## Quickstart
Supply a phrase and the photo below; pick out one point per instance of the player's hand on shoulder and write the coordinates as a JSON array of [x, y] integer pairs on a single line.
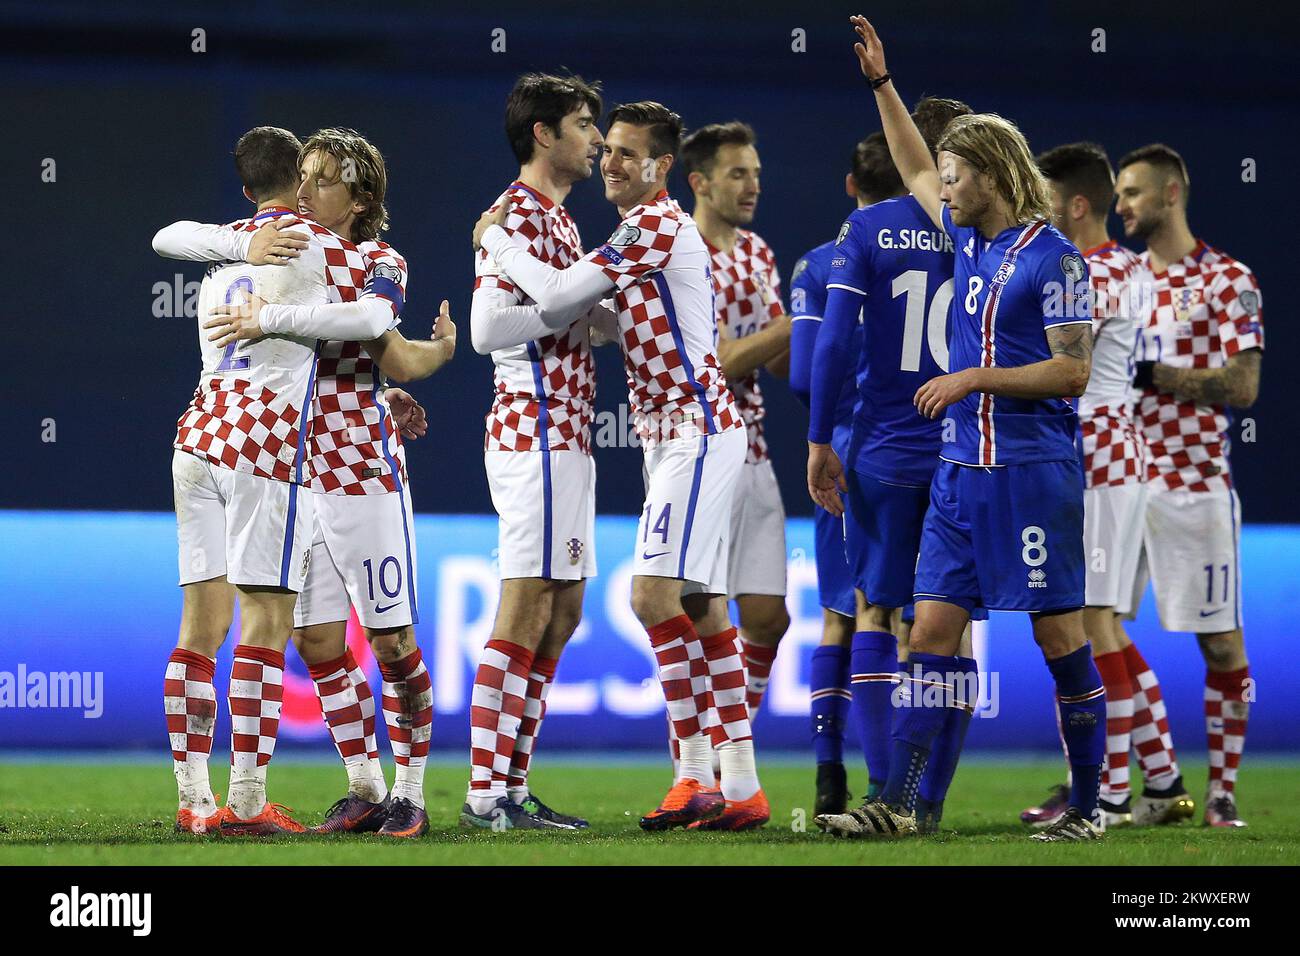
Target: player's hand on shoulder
[[943, 390], [496, 216], [870, 51], [826, 478], [273, 245], [408, 414], [235, 322]]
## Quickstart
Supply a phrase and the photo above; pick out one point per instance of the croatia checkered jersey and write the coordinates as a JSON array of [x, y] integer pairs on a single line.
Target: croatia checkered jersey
[[1110, 444], [1206, 308], [1009, 292], [551, 380], [249, 412], [664, 298], [356, 448], [746, 297]]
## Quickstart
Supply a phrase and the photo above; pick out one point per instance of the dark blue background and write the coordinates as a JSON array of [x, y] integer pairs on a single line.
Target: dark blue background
[[142, 130]]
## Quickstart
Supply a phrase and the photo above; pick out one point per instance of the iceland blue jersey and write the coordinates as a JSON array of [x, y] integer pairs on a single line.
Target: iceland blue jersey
[[1009, 291], [893, 263], [807, 306]]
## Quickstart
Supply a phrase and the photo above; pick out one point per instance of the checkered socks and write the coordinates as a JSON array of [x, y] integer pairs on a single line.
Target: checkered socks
[[1150, 736], [190, 703], [1227, 709], [348, 707], [540, 678], [1119, 725], [830, 701], [496, 712], [758, 670], [256, 691], [1081, 701], [408, 712]]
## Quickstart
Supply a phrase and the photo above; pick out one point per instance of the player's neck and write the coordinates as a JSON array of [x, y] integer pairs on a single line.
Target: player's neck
[[717, 232], [540, 178], [998, 219], [1171, 241], [287, 202], [1089, 235]]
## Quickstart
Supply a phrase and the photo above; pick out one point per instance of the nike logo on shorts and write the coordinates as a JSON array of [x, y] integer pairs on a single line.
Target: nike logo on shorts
[[381, 608], [657, 554]]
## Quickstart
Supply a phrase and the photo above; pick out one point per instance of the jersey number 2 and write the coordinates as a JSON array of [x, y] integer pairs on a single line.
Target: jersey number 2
[[228, 361]]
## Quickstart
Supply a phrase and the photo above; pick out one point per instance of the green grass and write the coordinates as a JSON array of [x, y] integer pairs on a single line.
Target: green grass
[[75, 813]]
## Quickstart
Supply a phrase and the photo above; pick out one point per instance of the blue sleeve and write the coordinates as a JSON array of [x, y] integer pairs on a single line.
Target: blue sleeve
[[846, 288], [946, 218], [1063, 286], [807, 300]]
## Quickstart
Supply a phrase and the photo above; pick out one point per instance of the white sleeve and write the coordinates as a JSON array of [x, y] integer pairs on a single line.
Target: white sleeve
[[557, 292], [367, 318], [496, 321], [199, 242], [603, 322]]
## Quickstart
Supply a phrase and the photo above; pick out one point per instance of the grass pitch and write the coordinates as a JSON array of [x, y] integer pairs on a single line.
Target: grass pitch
[[87, 813]]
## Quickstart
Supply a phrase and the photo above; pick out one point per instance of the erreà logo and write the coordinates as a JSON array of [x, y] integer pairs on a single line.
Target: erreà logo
[[76, 909], [1037, 578]]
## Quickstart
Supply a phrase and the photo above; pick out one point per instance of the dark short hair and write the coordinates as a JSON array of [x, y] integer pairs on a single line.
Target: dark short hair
[[1081, 169], [932, 114], [665, 126], [700, 148], [266, 159], [874, 175], [1162, 157], [545, 98]]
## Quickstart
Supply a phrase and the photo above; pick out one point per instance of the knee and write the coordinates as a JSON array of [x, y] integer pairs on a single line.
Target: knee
[[650, 607], [873, 617], [205, 638], [768, 626], [1223, 652], [389, 646]]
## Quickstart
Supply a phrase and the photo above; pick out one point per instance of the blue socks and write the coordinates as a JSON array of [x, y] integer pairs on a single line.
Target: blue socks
[[874, 669], [1081, 702], [830, 702], [916, 727], [946, 750]]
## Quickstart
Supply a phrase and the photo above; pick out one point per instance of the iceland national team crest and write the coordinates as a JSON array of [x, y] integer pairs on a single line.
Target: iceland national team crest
[[575, 550], [1003, 275]]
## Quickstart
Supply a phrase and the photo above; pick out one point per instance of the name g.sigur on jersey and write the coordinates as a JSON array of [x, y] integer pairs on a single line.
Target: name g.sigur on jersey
[[921, 239]]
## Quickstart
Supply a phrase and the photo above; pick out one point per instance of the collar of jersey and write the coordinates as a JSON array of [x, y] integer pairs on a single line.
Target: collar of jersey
[[543, 199], [1108, 244], [274, 211]]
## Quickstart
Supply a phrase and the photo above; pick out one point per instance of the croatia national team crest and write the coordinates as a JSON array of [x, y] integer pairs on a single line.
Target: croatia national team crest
[[1185, 302], [575, 550]]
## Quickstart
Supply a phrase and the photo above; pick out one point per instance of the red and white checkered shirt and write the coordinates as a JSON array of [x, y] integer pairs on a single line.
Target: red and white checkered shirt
[[660, 268], [747, 296], [1206, 309], [356, 448], [247, 413], [554, 376], [1113, 450]]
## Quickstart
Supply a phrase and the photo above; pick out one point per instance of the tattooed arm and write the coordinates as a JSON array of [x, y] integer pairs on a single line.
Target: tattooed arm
[[1063, 375], [1236, 384]]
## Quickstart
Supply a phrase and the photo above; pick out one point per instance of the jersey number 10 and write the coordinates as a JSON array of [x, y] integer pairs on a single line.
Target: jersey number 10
[[934, 320]]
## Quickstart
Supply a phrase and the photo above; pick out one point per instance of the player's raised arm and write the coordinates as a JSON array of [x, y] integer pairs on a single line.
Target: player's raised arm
[[906, 145]]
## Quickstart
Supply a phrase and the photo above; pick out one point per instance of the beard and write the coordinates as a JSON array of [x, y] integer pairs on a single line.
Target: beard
[[1143, 227]]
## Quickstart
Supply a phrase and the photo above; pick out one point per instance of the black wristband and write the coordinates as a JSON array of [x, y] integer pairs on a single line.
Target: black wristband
[[1143, 375], [880, 81]]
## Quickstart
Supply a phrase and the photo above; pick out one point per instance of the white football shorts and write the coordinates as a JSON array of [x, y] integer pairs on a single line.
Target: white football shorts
[[256, 531], [546, 509], [1192, 555], [757, 558], [362, 556], [1113, 519], [685, 526]]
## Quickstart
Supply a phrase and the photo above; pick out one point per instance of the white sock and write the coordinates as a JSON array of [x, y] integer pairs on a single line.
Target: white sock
[[697, 759], [481, 801], [192, 785], [247, 792], [362, 784], [739, 775], [517, 794], [409, 784]]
